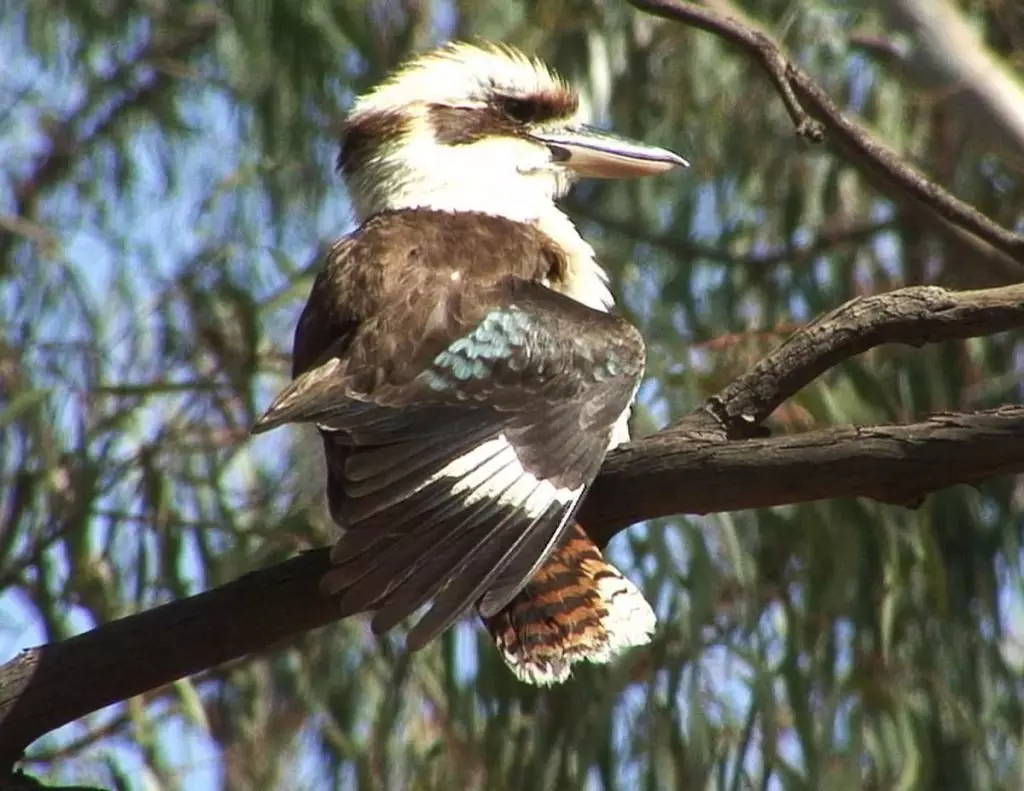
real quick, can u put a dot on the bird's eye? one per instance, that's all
(520, 110)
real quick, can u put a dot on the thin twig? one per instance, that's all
(829, 238)
(64, 138)
(813, 112)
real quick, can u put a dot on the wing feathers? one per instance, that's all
(511, 580)
(503, 584)
(463, 418)
(312, 395)
(433, 570)
(505, 517)
(475, 465)
(474, 575)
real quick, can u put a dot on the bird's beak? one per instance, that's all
(593, 153)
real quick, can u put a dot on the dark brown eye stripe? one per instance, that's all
(503, 115)
(537, 107)
(456, 126)
(453, 126)
(520, 110)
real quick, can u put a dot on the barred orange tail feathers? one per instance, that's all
(578, 607)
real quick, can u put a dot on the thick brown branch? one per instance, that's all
(813, 112)
(46, 687)
(669, 474)
(666, 474)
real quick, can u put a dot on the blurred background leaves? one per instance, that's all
(166, 183)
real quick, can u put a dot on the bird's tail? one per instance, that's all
(578, 607)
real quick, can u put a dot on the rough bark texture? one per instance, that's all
(913, 316)
(670, 473)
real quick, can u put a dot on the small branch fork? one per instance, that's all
(814, 114)
(913, 316)
(701, 464)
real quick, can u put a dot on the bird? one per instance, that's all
(460, 359)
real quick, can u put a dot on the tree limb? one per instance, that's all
(670, 473)
(696, 466)
(813, 113)
(915, 316)
(46, 687)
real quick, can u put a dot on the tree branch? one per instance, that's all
(97, 114)
(914, 316)
(670, 473)
(804, 98)
(46, 687)
(829, 238)
(696, 466)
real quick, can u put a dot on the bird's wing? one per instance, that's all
(460, 480)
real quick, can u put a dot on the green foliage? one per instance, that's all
(166, 181)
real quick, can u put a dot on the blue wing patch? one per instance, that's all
(497, 336)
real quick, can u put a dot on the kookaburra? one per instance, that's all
(458, 357)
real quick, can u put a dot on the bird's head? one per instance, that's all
(467, 128)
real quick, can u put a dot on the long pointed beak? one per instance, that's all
(593, 153)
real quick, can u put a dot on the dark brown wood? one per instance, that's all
(675, 474)
(43, 688)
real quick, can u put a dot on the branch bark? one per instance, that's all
(814, 113)
(670, 473)
(914, 316)
(696, 466)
